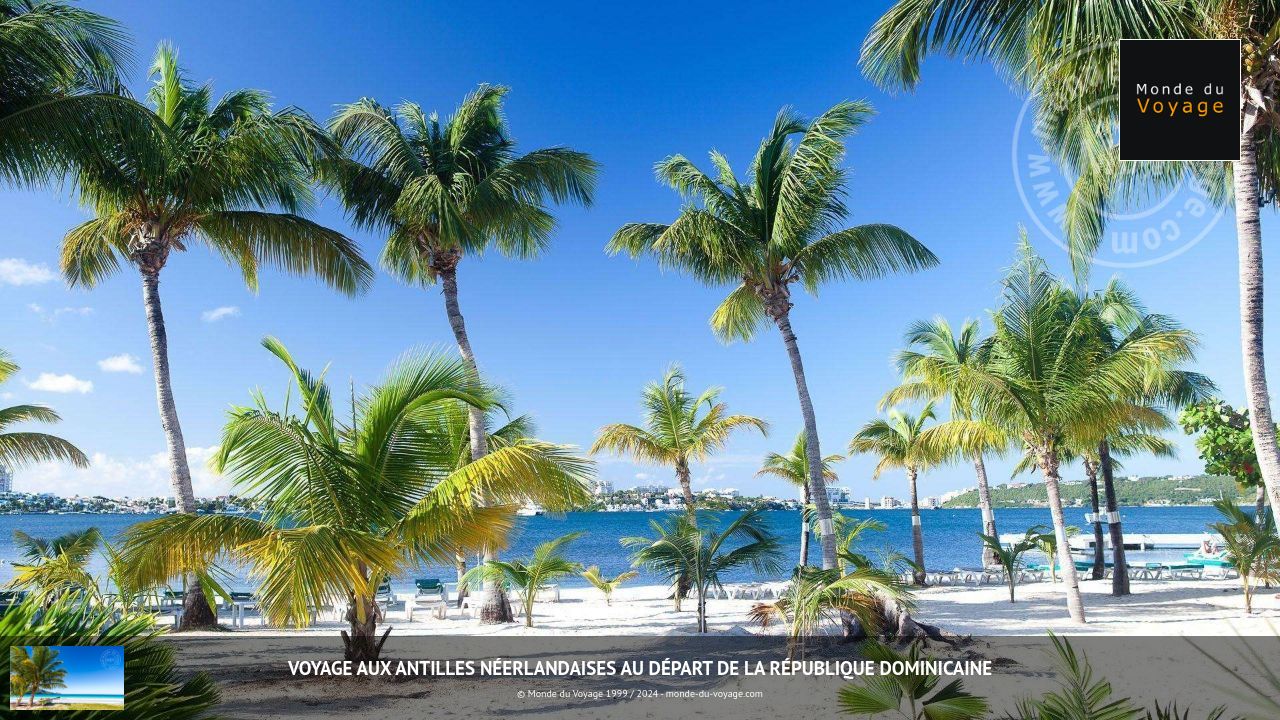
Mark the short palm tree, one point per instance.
(779, 228)
(896, 441)
(705, 552)
(911, 695)
(607, 585)
(231, 175)
(827, 597)
(346, 505)
(547, 565)
(22, 447)
(679, 428)
(1065, 53)
(1052, 383)
(1009, 557)
(1253, 549)
(934, 354)
(57, 566)
(58, 85)
(443, 190)
(794, 468)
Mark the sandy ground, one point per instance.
(249, 664)
(1156, 608)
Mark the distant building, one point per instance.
(887, 502)
(603, 487)
(838, 495)
(932, 503)
(866, 504)
(6, 479)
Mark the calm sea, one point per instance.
(949, 535)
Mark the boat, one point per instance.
(530, 510)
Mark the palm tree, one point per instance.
(1053, 383)
(607, 585)
(20, 672)
(794, 468)
(58, 85)
(1010, 558)
(779, 228)
(346, 505)
(1065, 54)
(547, 565)
(1252, 546)
(42, 671)
(679, 428)
(913, 694)
(933, 356)
(445, 190)
(704, 552)
(57, 566)
(19, 448)
(896, 442)
(202, 173)
(815, 598)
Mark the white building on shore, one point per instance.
(6, 479)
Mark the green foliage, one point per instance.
(607, 585)
(1225, 442)
(547, 565)
(702, 552)
(1010, 557)
(22, 447)
(154, 689)
(914, 696)
(346, 504)
(1253, 548)
(1202, 490)
(816, 598)
(1080, 694)
(896, 441)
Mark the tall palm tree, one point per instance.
(347, 505)
(21, 447)
(896, 441)
(779, 227)
(679, 428)
(58, 85)
(444, 190)
(1065, 53)
(211, 173)
(934, 355)
(794, 468)
(42, 670)
(1052, 383)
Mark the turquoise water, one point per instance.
(949, 535)
(70, 698)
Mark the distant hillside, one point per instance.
(1199, 490)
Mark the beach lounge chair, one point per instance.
(384, 597)
(545, 592)
(1184, 571)
(430, 588)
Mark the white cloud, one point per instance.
(116, 477)
(220, 313)
(642, 476)
(6, 396)
(50, 382)
(51, 315)
(124, 363)
(15, 271)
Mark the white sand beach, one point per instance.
(1155, 608)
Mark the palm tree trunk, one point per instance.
(988, 512)
(804, 527)
(195, 608)
(683, 477)
(917, 533)
(497, 606)
(1119, 566)
(362, 642)
(1249, 239)
(1260, 505)
(1049, 469)
(817, 486)
(1099, 556)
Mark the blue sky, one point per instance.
(91, 670)
(576, 334)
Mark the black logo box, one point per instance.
(1193, 66)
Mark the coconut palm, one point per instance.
(40, 670)
(1009, 558)
(816, 598)
(58, 85)
(794, 468)
(896, 441)
(1065, 53)
(446, 190)
(933, 355)
(346, 505)
(679, 428)
(53, 567)
(779, 227)
(1053, 383)
(607, 585)
(208, 173)
(912, 695)
(704, 552)
(20, 448)
(547, 565)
